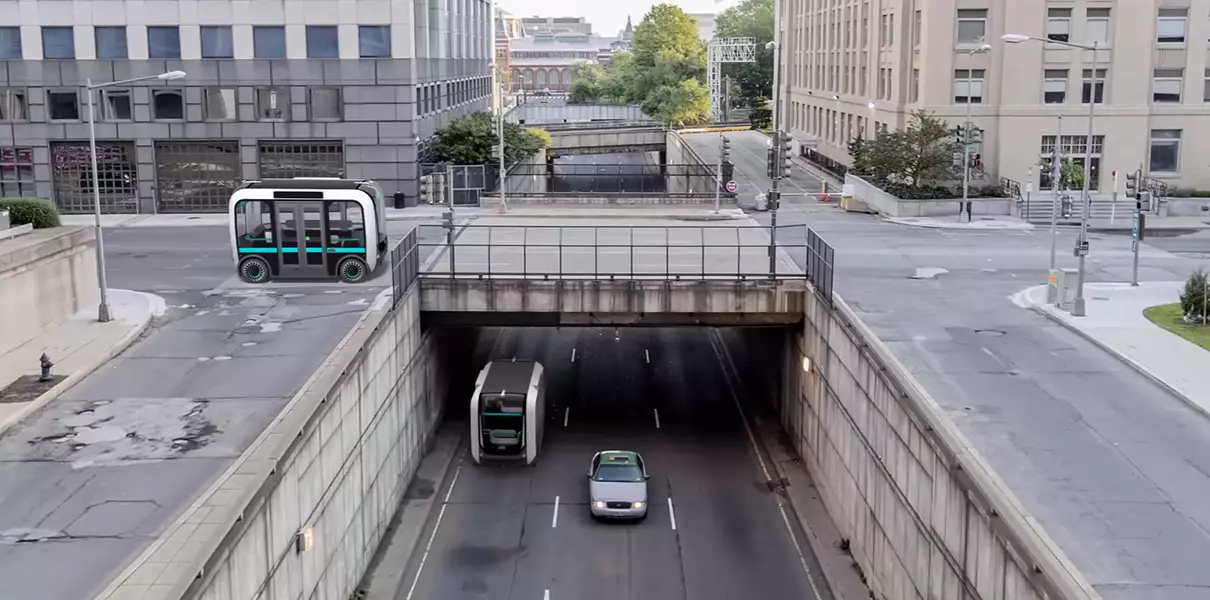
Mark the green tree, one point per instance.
(750, 18)
(469, 140)
(684, 103)
(666, 29)
(588, 85)
(911, 162)
(1193, 297)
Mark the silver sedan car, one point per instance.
(617, 485)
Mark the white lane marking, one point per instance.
(719, 351)
(657, 417)
(554, 519)
(546, 595)
(647, 353)
(429, 546)
(671, 513)
(994, 357)
(573, 355)
(566, 415)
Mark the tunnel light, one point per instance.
(304, 540)
(806, 364)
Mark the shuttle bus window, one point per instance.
(313, 230)
(346, 225)
(254, 224)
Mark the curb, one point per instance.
(949, 228)
(70, 382)
(1122, 357)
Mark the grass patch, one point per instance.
(1168, 317)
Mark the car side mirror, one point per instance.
(646, 477)
(589, 475)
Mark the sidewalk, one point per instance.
(980, 223)
(1115, 322)
(703, 212)
(77, 348)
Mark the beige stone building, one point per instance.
(848, 63)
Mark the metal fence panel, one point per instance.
(820, 262)
(405, 266)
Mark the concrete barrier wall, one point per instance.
(533, 182)
(701, 178)
(45, 277)
(894, 207)
(335, 464)
(924, 515)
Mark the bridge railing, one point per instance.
(405, 266)
(592, 179)
(602, 124)
(639, 252)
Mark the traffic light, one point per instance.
(787, 151)
(725, 153)
(1132, 185)
(426, 189)
(976, 161)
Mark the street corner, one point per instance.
(1031, 297)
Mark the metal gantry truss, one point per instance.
(725, 50)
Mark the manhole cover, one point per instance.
(27, 388)
(990, 332)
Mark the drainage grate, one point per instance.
(27, 388)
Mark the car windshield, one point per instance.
(619, 473)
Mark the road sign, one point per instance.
(1134, 228)
(1081, 249)
(732, 186)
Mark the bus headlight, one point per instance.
(598, 504)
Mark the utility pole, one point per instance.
(1056, 181)
(1134, 190)
(1077, 307)
(774, 171)
(500, 137)
(727, 99)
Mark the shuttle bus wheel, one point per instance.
(352, 270)
(254, 270)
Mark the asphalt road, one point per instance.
(748, 156)
(1115, 468)
(713, 530)
(91, 480)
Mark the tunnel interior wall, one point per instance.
(698, 178)
(347, 467)
(924, 515)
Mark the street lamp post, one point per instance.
(966, 138)
(500, 138)
(103, 314)
(775, 200)
(1077, 307)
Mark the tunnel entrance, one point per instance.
(696, 403)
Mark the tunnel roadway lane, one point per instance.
(713, 530)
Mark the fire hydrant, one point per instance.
(46, 365)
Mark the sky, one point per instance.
(608, 17)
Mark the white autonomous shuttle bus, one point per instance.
(308, 227)
(508, 411)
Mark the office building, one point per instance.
(840, 57)
(274, 88)
(535, 25)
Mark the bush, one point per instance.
(40, 213)
(1193, 297)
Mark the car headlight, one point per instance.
(639, 505)
(598, 504)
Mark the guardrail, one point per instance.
(405, 266)
(579, 125)
(647, 252)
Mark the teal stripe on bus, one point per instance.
(295, 250)
(492, 414)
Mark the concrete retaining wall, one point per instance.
(334, 465)
(679, 152)
(924, 515)
(894, 207)
(45, 277)
(533, 183)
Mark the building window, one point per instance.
(374, 41)
(1072, 149)
(915, 85)
(117, 176)
(972, 26)
(968, 86)
(63, 105)
(14, 105)
(217, 42)
(1171, 25)
(17, 172)
(1054, 87)
(1166, 85)
(1206, 87)
(290, 159)
(323, 41)
(1086, 88)
(325, 104)
(269, 41)
(10, 43)
(1096, 26)
(196, 176)
(1165, 151)
(219, 105)
(1058, 24)
(115, 105)
(58, 43)
(272, 103)
(916, 28)
(167, 105)
(111, 43)
(163, 42)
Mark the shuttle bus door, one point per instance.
(301, 231)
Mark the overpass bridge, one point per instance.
(606, 138)
(303, 511)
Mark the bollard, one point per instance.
(46, 364)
